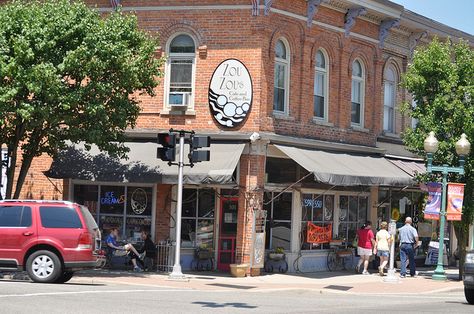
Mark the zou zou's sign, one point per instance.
(230, 93)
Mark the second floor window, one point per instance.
(180, 71)
(357, 94)
(320, 87)
(281, 77)
(390, 83)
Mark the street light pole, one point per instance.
(462, 149)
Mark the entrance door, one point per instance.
(227, 234)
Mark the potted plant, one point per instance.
(238, 270)
(277, 255)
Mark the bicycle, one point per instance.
(340, 257)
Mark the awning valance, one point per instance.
(142, 165)
(411, 167)
(346, 169)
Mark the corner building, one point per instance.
(301, 100)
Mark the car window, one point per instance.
(15, 216)
(59, 217)
(90, 221)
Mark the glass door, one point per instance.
(228, 233)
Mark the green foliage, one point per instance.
(441, 80)
(69, 74)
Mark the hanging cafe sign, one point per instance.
(230, 93)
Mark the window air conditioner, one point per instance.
(179, 100)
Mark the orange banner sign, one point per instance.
(317, 234)
(454, 202)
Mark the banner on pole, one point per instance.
(455, 199)
(433, 204)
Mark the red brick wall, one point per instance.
(163, 212)
(252, 174)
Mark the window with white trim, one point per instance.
(389, 100)
(357, 94)
(320, 99)
(281, 77)
(180, 72)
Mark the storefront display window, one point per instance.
(126, 207)
(318, 209)
(352, 215)
(278, 224)
(197, 224)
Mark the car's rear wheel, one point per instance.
(65, 277)
(43, 266)
(469, 293)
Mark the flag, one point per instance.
(255, 7)
(455, 199)
(268, 5)
(433, 204)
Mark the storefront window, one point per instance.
(278, 224)
(318, 209)
(352, 215)
(126, 207)
(197, 224)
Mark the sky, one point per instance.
(458, 14)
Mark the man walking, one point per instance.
(408, 241)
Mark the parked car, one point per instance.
(468, 277)
(49, 239)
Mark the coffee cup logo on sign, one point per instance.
(139, 201)
(230, 93)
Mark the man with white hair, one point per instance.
(408, 241)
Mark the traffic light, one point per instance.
(168, 151)
(199, 155)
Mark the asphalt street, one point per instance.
(26, 297)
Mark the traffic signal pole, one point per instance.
(167, 153)
(177, 274)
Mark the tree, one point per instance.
(441, 80)
(68, 74)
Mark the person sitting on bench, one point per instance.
(127, 249)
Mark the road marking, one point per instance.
(90, 292)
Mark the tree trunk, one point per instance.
(463, 237)
(25, 166)
(12, 156)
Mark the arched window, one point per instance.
(320, 102)
(357, 94)
(281, 79)
(180, 69)
(389, 99)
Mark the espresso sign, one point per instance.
(230, 93)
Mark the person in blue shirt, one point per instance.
(127, 249)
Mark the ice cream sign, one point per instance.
(230, 93)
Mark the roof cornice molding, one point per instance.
(416, 22)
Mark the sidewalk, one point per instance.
(322, 282)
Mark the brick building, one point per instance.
(301, 100)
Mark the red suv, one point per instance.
(49, 239)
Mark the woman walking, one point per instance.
(364, 246)
(383, 241)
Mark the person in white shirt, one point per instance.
(383, 240)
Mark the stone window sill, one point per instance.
(171, 112)
(359, 129)
(322, 122)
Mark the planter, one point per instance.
(276, 256)
(238, 270)
(254, 271)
